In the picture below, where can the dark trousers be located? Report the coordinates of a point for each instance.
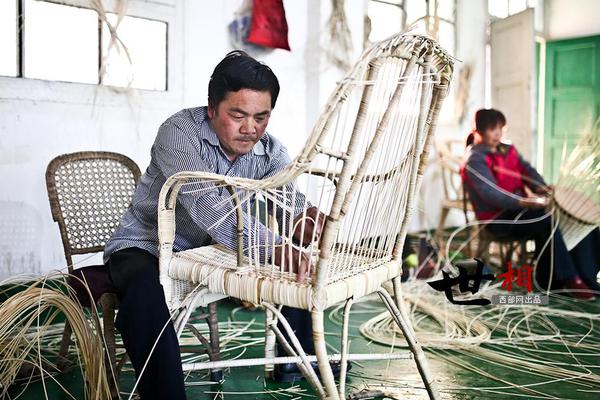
(586, 257)
(301, 323)
(582, 261)
(143, 317)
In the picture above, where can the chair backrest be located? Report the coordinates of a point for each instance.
(88, 193)
(363, 161)
(450, 152)
(378, 134)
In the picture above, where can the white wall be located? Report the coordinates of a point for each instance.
(40, 120)
(571, 18)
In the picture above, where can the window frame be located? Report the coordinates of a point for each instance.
(23, 88)
(404, 23)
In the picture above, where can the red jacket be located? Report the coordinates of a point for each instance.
(488, 176)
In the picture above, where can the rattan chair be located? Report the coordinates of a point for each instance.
(361, 166)
(497, 251)
(449, 152)
(88, 193)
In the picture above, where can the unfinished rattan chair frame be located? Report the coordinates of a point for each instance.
(77, 184)
(376, 163)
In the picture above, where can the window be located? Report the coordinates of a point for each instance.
(8, 38)
(386, 19)
(60, 42)
(68, 43)
(434, 18)
(499, 9)
(146, 43)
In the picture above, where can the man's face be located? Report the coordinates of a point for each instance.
(240, 120)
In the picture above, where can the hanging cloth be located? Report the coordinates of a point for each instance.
(269, 27)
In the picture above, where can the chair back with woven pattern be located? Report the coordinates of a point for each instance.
(362, 163)
(450, 152)
(88, 193)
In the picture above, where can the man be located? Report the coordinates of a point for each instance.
(229, 138)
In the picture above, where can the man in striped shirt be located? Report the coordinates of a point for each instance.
(229, 138)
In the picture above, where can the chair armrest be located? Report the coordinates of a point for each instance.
(168, 200)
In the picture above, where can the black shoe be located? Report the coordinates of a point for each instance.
(291, 373)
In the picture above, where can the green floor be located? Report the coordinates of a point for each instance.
(453, 379)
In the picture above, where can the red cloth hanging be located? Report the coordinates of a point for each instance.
(269, 27)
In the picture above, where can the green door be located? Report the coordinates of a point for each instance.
(572, 96)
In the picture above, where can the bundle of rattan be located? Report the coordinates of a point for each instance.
(25, 318)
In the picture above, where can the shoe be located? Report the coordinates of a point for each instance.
(579, 290)
(290, 372)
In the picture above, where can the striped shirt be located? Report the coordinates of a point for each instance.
(187, 142)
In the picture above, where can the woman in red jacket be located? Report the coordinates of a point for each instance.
(495, 176)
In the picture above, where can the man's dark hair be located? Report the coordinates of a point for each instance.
(240, 71)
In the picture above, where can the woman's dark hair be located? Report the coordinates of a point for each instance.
(240, 71)
(486, 118)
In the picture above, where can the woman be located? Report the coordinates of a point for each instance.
(495, 176)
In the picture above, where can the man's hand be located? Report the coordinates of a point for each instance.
(313, 224)
(533, 202)
(299, 262)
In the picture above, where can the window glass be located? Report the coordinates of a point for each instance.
(498, 8)
(60, 42)
(146, 44)
(415, 9)
(8, 38)
(516, 6)
(445, 9)
(386, 19)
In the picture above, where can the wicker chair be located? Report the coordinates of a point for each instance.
(88, 193)
(454, 196)
(361, 166)
(495, 251)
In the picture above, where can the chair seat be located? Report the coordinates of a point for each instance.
(94, 278)
(216, 268)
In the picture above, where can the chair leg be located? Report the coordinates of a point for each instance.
(483, 249)
(304, 366)
(344, 348)
(270, 340)
(321, 352)
(108, 302)
(414, 346)
(523, 252)
(216, 375)
(63, 360)
(471, 234)
(439, 233)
